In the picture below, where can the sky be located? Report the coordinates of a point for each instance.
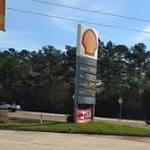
(31, 32)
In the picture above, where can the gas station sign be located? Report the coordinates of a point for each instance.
(85, 78)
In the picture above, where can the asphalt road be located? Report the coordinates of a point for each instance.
(20, 140)
(62, 117)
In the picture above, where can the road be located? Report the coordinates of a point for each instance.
(20, 140)
(37, 115)
(62, 117)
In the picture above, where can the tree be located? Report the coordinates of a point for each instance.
(43, 80)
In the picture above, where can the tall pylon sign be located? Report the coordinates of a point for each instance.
(85, 78)
(2, 15)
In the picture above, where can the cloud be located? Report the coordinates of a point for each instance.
(17, 39)
(55, 31)
(79, 15)
(143, 37)
(72, 3)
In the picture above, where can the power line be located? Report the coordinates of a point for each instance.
(77, 20)
(94, 11)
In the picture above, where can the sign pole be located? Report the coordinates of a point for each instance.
(120, 101)
(120, 111)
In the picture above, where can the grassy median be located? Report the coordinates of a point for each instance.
(96, 127)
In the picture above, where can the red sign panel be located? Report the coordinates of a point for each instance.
(83, 115)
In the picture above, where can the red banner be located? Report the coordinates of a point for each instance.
(83, 115)
(2, 15)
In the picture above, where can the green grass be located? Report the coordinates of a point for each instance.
(96, 127)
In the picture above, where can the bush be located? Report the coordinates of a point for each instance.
(70, 118)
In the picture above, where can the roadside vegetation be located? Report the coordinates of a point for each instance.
(96, 127)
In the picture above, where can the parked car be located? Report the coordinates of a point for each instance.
(5, 106)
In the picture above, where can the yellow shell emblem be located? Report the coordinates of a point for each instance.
(89, 42)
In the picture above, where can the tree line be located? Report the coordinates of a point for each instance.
(43, 80)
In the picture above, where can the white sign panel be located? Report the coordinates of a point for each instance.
(87, 42)
(120, 101)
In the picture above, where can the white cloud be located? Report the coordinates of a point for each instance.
(80, 15)
(17, 39)
(64, 29)
(143, 37)
(72, 3)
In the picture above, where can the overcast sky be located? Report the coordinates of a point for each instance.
(25, 31)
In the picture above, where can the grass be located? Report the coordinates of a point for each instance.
(96, 127)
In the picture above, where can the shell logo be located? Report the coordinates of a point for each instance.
(89, 42)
